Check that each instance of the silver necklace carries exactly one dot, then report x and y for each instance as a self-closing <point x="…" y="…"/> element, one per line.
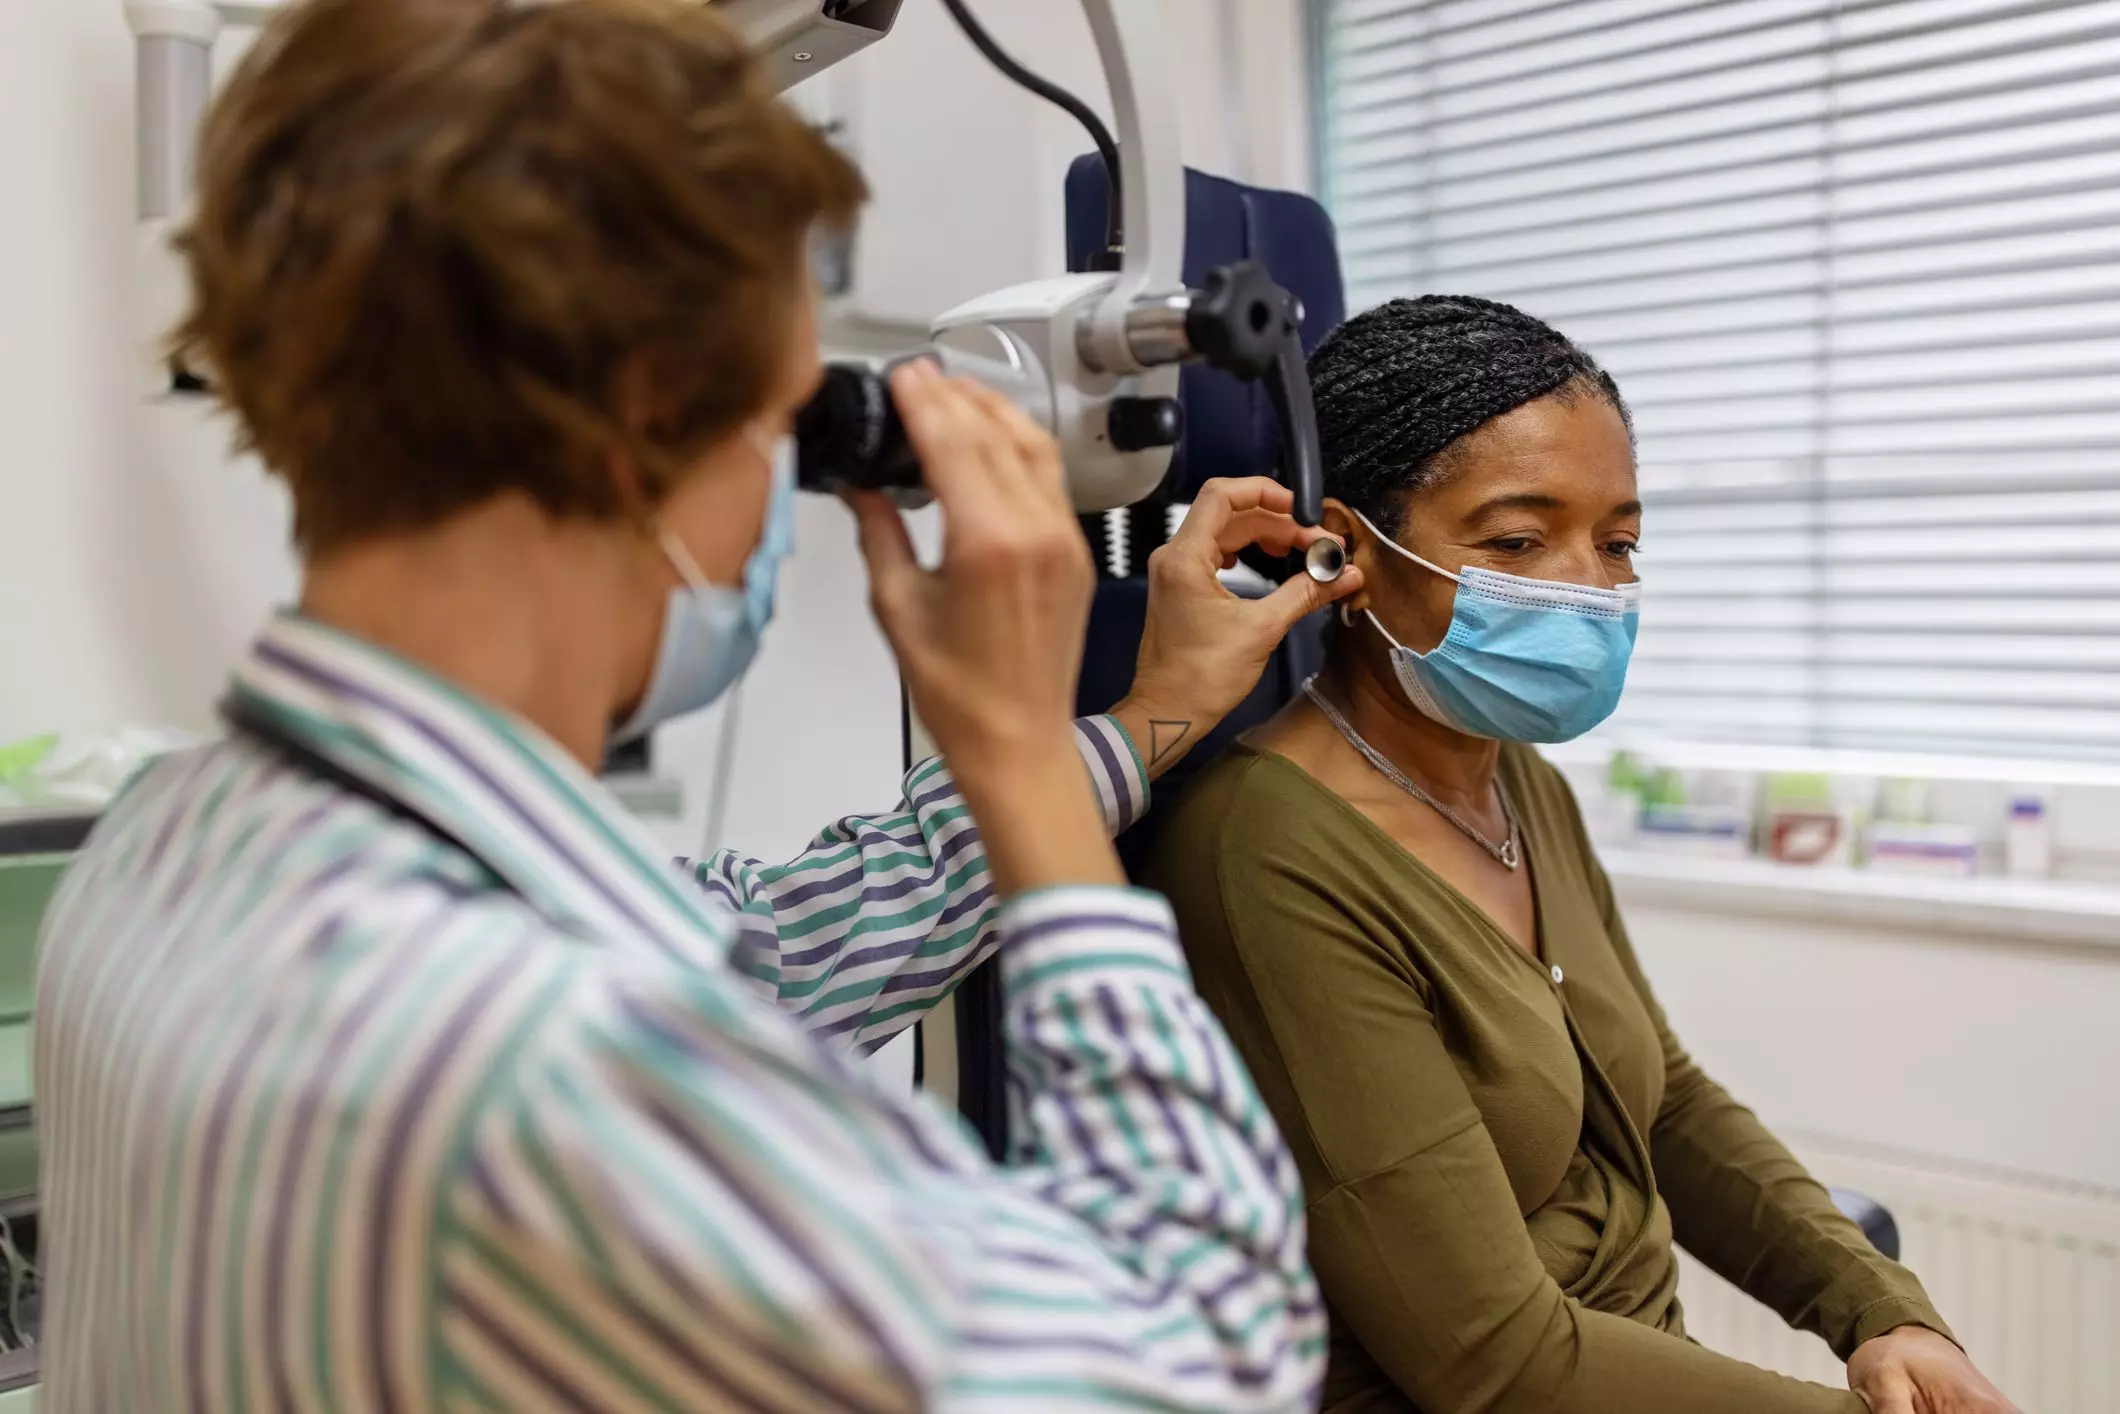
<point x="1509" y="854"/>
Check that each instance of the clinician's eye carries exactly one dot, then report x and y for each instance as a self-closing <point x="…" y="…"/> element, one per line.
<point x="1513" y="545"/>
<point x="1623" y="549"/>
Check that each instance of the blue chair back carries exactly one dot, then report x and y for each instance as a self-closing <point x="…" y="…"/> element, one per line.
<point x="1230" y="430"/>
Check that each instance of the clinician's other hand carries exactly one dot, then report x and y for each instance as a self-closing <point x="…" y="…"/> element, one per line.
<point x="1204" y="647"/>
<point x="990" y="642"/>
<point x="1913" y="1370"/>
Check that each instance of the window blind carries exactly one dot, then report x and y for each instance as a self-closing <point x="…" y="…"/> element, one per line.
<point x="1856" y="267"/>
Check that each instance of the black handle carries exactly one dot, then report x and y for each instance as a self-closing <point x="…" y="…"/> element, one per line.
<point x="1302" y="464"/>
<point x="1246" y="324"/>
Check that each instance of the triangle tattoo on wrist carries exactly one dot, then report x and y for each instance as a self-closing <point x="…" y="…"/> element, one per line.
<point x="1164" y="738"/>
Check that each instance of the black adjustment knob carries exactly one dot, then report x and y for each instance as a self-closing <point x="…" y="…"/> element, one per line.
<point x="1137" y="424"/>
<point x="1239" y="318"/>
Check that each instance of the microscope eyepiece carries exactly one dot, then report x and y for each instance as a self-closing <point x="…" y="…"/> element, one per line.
<point x="849" y="437"/>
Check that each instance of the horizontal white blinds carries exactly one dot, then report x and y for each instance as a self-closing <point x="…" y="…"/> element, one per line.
<point x="1856" y="267"/>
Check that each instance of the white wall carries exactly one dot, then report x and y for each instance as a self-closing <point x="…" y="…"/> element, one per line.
<point x="1990" y="1050"/>
<point x="135" y="559"/>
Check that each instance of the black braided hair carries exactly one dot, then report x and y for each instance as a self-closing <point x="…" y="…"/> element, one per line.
<point x="1396" y="386"/>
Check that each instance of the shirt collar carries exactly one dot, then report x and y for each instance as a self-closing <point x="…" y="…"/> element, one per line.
<point x="495" y="783"/>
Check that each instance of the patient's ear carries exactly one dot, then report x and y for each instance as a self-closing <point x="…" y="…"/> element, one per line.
<point x="1340" y="521"/>
<point x="1352" y="534"/>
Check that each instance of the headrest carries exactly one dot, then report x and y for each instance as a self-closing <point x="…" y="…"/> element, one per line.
<point x="1230" y="428"/>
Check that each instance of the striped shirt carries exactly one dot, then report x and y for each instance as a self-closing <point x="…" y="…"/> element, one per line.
<point x="382" y="1065"/>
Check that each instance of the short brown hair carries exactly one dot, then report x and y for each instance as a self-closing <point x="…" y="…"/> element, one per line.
<point x="436" y="239"/>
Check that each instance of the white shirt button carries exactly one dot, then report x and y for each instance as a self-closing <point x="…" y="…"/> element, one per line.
<point x="1557" y="975"/>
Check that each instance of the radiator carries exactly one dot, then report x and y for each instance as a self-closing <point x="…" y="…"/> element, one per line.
<point x="2026" y="1269"/>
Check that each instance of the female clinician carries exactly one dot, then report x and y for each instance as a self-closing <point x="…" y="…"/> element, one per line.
<point x="381" y="1063"/>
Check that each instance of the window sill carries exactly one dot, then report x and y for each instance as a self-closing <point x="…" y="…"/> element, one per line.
<point x="2026" y="910"/>
<point x="1596" y="753"/>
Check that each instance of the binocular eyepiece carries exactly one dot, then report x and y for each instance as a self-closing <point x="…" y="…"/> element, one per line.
<point x="849" y="436"/>
<point x="1239" y="322"/>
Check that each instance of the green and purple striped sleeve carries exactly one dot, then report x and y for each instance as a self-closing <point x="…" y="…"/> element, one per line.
<point x="881" y="917"/>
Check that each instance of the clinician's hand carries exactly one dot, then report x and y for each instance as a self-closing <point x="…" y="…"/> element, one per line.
<point x="1913" y="1370"/>
<point x="1204" y="647"/>
<point x="991" y="641"/>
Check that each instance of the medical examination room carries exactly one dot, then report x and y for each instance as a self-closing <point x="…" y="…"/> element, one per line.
<point x="1208" y="706"/>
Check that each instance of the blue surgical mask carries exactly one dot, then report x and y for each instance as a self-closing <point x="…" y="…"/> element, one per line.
<point x="1525" y="659"/>
<point x="711" y="632"/>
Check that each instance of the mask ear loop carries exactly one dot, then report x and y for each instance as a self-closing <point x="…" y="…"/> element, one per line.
<point x="767" y="448"/>
<point x="1347" y="614"/>
<point x="681" y="560"/>
<point x="1392" y="544"/>
<point x="674" y="549"/>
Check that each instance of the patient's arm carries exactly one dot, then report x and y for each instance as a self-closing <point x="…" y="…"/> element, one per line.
<point x="1741" y="1202"/>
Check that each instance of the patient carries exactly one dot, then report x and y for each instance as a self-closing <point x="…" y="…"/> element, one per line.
<point x="1391" y="902"/>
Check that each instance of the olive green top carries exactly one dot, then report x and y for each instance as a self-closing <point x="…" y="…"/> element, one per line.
<point x="1499" y="1150"/>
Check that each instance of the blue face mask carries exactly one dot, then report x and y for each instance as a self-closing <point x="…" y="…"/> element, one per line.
<point x="711" y="632"/>
<point x="1525" y="659"/>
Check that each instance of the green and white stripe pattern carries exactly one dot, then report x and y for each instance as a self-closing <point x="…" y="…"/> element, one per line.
<point x="423" y="1084"/>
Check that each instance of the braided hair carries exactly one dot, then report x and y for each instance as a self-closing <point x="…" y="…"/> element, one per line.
<point x="1397" y="386"/>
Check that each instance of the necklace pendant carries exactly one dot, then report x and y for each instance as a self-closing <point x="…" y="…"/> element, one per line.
<point x="1506" y="853"/>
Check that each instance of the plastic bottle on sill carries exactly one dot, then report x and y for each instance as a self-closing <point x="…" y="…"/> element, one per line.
<point x="2028" y="837"/>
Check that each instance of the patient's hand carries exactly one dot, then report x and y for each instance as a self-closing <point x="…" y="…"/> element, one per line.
<point x="1203" y="647"/>
<point x="1912" y="1370"/>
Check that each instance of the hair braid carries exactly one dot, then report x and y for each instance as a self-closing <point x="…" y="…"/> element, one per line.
<point x="1396" y="386"/>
